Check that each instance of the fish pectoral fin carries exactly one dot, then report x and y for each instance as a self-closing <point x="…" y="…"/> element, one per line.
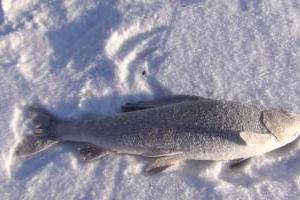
<point x="89" y="152"/>
<point x="253" y="138"/>
<point x="238" y="162"/>
<point x="160" y="164"/>
<point x="142" y="105"/>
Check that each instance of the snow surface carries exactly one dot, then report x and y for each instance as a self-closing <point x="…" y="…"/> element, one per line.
<point x="76" y="57"/>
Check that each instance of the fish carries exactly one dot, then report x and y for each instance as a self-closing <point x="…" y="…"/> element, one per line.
<point x="168" y="130"/>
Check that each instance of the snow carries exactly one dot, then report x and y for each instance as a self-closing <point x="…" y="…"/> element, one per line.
<point x="76" y="57"/>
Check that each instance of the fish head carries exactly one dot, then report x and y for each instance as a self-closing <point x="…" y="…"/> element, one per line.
<point x="285" y="126"/>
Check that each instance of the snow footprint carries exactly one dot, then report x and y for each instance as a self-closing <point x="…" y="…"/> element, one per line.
<point x="133" y="50"/>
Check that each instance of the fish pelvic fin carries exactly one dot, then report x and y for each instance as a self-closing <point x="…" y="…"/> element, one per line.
<point x="90" y="152"/>
<point x="237" y="163"/>
<point x="160" y="164"/>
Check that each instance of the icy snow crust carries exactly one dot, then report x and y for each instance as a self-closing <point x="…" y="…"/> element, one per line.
<point x="76" y="57"/>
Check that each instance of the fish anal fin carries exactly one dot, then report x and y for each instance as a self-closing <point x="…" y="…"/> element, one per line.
<point x="142" y="105"/>
<point x="89" y="152"/>
<point x="33" y="144"/>
<point x="253" y="138"/>
<point x="160" y="164"/>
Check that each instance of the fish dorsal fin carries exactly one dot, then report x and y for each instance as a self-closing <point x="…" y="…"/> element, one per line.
<point x="142" y="105"/>
<point x="253" y="138"/>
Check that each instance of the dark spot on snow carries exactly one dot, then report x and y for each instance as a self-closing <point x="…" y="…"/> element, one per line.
<point x="244" y="5"/>
<point x="144" y="73"/>
<point x="29" y="17"/>
<point x="254" y="5"/>
<point x="191" y="2"/>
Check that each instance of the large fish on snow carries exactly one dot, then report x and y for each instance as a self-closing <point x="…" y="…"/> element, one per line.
<point x="169" y="129"/>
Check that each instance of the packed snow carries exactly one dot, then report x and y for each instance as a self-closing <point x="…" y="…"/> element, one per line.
<point x="80" y="58"/>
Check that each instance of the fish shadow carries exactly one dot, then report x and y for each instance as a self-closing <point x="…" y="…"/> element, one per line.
<point x="288" y="164"/>
<point x="81" y="46"/>
<point x="82" y="41"/>
<point x="280" y="170"/>
<point x="191" y="172"/>
<point x="195" y="167"/>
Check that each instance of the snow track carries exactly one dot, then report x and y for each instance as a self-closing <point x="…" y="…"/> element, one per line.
<point x="76" y="57"/>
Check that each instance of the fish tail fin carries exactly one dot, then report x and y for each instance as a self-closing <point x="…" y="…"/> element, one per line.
<point x="42" y="120"/>
<point x="40" y="139"/>
<point x="32" y="144"/>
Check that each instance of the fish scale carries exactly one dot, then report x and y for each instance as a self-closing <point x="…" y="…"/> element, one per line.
<point x="183" y="127"/>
